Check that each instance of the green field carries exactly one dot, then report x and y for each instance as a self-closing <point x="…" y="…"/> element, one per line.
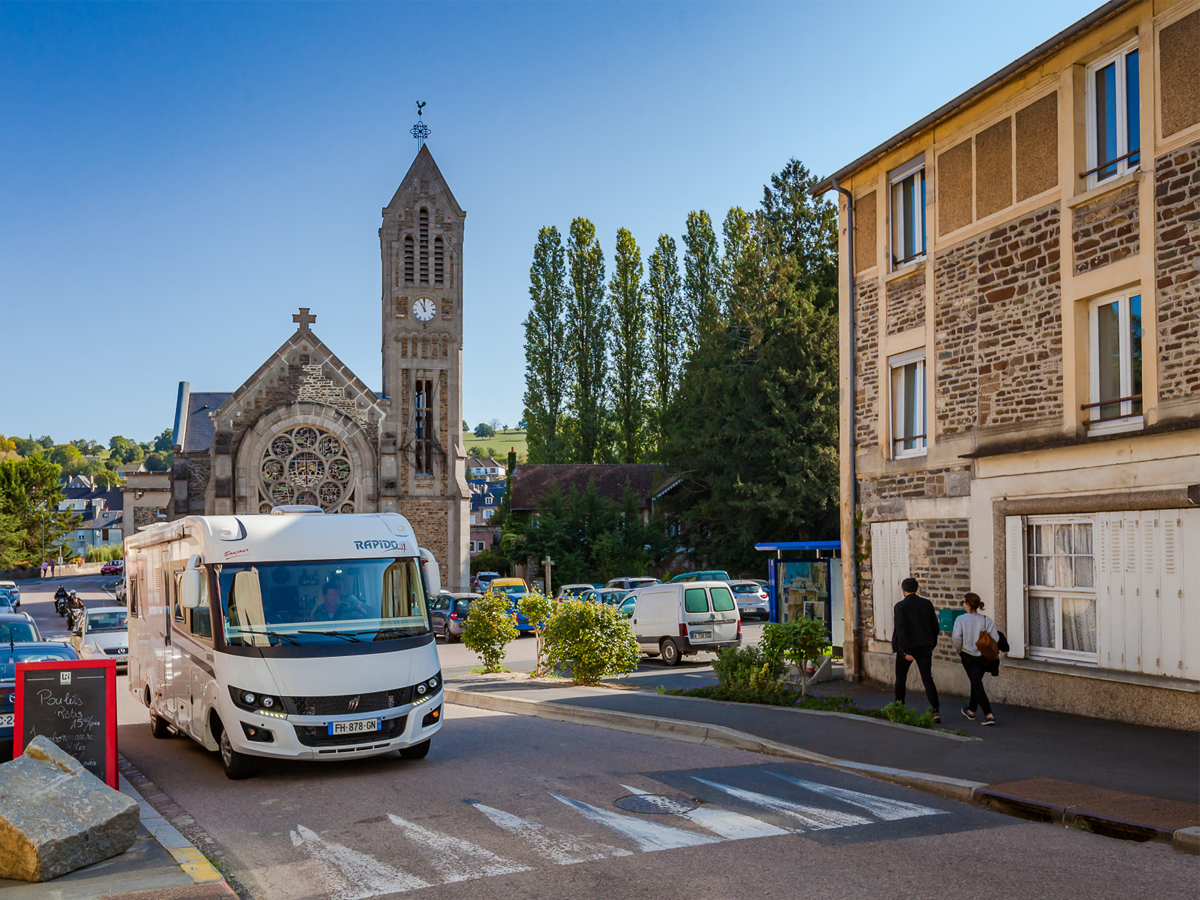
<point x="502" y="442"/>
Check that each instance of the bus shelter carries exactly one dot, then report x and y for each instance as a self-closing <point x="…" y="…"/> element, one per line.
<point x="804" y="580"/>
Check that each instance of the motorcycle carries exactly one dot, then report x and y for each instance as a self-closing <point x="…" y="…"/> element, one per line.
<point x="75" y="608"/>
<point x="60" y="601"/>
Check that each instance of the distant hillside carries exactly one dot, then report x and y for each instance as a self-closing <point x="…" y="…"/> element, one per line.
<point x="501" y="443"/>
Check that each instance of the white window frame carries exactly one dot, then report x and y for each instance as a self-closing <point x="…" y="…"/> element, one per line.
<point x="897" y="218"/>
<point x="898" y="405"/>
<point x="1128" y="420"/>
<point x="1124" y="166"/>
<point x="1058" y="594"/>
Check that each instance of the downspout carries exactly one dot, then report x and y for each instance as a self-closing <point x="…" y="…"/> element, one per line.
<point x="852" y="551"/>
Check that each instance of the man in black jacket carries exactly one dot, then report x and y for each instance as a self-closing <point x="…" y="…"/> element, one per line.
<point x="914" y="635"/>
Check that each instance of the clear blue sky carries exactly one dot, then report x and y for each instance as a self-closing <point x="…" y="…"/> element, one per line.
<point x="176" y="179"/>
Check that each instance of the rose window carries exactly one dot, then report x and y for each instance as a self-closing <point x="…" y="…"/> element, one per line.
<point x="307" y="465"/>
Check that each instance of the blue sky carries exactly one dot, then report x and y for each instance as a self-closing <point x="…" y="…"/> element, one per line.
<point x="175" y="180"/>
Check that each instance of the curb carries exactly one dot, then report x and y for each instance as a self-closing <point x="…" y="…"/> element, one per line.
<point x="1187" y="840"/>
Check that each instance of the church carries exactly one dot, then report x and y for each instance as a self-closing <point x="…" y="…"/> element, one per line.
<point x="304" y="429"/>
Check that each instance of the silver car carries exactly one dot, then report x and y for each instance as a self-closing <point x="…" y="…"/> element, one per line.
<point x="102" y="632"/>
<point x="751" y="598"/>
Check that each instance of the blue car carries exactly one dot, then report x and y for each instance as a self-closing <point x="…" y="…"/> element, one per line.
<point x="515" y="592"/>
<point x="10" y="655"/>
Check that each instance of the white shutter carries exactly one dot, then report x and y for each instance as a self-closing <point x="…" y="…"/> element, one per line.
<point x="1169" y="592"/>
<point x="1184" y="583"/>
<point x="889" y="566"/>
<point x="1014" y="567"/>
<point x="1130" y="546"/>
<point x="1110" y="621"/>
<point x="1148" y="593"/>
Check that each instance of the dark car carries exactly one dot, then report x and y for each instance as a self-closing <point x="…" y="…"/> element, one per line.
<point x="448" y="615"/>
<point x="10" y="655"/>
<point x="18" y="627"/>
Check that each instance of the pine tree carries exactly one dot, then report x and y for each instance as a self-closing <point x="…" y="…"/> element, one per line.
<point x="702" y="277"/>
<point x="587" y="332"/>
<point x="547" y="356"/>
<point x="802" y="228"/>
<point x="741" y="266"/>
<point x="664" y="352"/>
<point x="628" y="379"/>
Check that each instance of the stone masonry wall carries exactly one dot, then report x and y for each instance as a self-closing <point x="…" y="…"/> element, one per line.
<point x="199" y="472"/>
<point x="906" y="303"/>
<point x="430" y="520"/>
<point x="1019" y="322"/>
<point x="1177" y="261"/>
<point x="955" y="278"/>
<point x="866" y="375"/>
<point x="1106" y="230"/>
<point x="939" y="557"/>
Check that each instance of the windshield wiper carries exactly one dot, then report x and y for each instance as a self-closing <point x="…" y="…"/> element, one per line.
<point x="274" y="634"/>
<point x="351" y="636"/>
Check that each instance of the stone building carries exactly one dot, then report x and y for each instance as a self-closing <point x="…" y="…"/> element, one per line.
<point x="304" y="429"/>
<point x="1021" y="416"/>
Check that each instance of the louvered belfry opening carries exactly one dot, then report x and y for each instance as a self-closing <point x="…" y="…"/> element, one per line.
<point x="424" y="427"/>
<point x="408" y="259"/>
<point x="423" y="239"/>
<point x="439" y="261"/>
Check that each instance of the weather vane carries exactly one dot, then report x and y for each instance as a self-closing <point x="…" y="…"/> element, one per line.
<point x="420" y="131"/>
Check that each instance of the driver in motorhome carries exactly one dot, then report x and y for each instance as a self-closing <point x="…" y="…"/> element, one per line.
<point x="336" y="603"/>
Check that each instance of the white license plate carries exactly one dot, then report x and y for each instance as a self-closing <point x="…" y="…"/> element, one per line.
<point x="701" y="635"/>
<point x="360" y="727"/>
<point x="6" y="720"/>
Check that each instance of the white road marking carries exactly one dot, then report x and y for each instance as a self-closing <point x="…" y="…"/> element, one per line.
<point x="649" y="836"/>
<point x="728" y="824"/>
<point x="559" y="847"/>
<point x="813" y="817"/>
<point x="458" y="860"/>
<point x="351" y="875"/>
<point x="882" y="807"/>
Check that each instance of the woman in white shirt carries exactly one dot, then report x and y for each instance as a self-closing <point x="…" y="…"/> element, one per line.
<point x="967" y="629"/>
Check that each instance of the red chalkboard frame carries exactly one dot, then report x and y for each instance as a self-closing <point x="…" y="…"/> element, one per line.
<point x="110" y="692"/>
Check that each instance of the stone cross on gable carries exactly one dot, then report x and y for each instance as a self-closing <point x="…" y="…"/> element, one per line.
<point x="303" y="318"/>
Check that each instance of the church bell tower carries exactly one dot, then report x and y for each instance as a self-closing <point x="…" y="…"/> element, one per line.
<point x="423" y="465"/>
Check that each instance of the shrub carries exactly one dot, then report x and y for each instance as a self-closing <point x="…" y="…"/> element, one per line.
<point x="591" y="641"/>
<point x="105" y="553"/>
<point x="537" y="609"/>
<point x="797" y="642"/>
<point x="897" y="712"/>
<point x="491" y="625"/>
<point x="748" y="669"/>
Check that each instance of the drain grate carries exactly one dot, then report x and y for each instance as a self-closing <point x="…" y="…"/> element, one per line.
<point x="656" y="804"/>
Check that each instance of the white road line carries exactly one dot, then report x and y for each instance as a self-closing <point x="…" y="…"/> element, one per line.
<point x="649" y="836"/>
<point x="350" y="875"/>
<point x="557" y="846"/>
<point x="882" y="807"/>
<point x="813" y="817"/>
<point x="728" y="824"/>
<point x="458" y="860"/>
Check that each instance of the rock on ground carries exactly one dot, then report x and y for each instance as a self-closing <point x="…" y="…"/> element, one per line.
<point x="56" y="817"/>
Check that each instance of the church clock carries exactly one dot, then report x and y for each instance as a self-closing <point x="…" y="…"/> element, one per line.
<point x="424" y="309"/>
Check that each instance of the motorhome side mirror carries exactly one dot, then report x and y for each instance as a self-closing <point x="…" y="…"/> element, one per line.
<point x="190" y="585"/>
<point x="433" y="574"/>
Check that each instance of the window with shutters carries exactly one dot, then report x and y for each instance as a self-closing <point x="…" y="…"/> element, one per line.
<point x="1061" y="577"/>
<point x="439" y="261"/>
<point x="409" y="259"/>
<point x="423" y="244"/>
<point x="889" y="567"/>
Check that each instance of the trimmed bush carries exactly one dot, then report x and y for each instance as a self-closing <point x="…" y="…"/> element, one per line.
<point x="590" y="641"/>
<point x="491" y="626"/>
<point x="537" y="610"/>
<point x="796" y="642"/>
<point x="747" y="670"/>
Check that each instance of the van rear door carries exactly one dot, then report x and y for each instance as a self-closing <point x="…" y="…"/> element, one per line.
<point x="725" y="614"/>
<point x="698" y="615"/>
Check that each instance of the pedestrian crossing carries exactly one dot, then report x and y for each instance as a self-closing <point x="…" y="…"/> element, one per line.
<point x="722" y="811"/>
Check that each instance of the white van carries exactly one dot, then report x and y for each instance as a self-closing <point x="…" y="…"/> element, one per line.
<point x="674" y="620"/>
<point x="294" y="635"/>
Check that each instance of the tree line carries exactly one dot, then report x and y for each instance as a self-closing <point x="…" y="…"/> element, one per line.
<point x="722" y="365"/>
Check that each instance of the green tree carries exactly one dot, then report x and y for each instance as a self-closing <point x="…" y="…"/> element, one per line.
<point x="106" y="478"/>
<point x="490" y="628"/>
<point x="742" y="264"/>
<point x="484" y="430"/>
<point x="125" y="450"/>
<point x="65" y="455"/>
<point x="587" y="325"/>
<point x="163" y="443"/>
<point x="799" y="227"/>
<point x="547" y="354"/>
<point x="537" y="610"/>
<point x="591" y="641"/>
<point x="628" y="380"/>
<point x="29" y="487"/>
<point x="701" y="278"/>
<point x="797" y="642"/>
<point x="663" y="287"/>
<point x="158" y="462"/>
<point x="12" y="542"/>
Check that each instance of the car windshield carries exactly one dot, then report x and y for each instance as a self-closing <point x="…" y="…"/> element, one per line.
<point x="513" y="590"/>
<point x="16" y="631"/>
<point x="745" y="588"/>
<point x="322" y="601"/>
<point x="42" y="653"/>
<point x="106" y="621"/>
<point x="613" y="597"/>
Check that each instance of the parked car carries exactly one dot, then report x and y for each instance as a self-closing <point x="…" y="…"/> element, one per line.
<point x="6" y="602"/>
<point x="11" y="587"/>
<point x="631" y="583"/>
<point x="611" y="596"/>
<point x="514" y="589"/>
<point x="752" y="599"/>
<point x="102" y="632"/>
<point x="18" y="627"/>
<point x="448" y="615"/>
<point x="114" y="567"/>
<point x="677" y="620"/>
<point x="482" y="580"/>
<point x="628" y="606"/>
<point x="572" y="591"/>
<point x="709" y="575"/>
<point x="121" y="593"/>
<point x="10" y="655"/>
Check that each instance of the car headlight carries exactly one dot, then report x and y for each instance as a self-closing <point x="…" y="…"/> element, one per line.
<point x="425" y="690"/>
<point x="262" y="704"/>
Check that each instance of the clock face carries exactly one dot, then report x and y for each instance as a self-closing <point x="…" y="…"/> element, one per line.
<point x="424" y="309"/>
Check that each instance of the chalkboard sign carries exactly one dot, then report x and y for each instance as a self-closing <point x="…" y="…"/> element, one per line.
<point x="74" y="704"/>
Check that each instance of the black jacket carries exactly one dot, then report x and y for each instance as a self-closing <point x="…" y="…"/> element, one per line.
<point x="915" y="625"/>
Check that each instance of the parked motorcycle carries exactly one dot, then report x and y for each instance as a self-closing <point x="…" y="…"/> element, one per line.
<point x="60" y="601"/>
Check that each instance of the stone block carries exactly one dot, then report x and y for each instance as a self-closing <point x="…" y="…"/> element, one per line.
<point x="56" y="817"/>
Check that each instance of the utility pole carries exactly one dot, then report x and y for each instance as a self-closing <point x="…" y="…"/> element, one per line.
<point x="548" y="563"/>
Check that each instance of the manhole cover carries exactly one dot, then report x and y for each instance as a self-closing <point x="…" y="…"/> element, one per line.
<point x="656" y="804"/>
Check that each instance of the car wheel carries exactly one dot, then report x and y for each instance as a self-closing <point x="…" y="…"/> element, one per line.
<point x="451" y="637"/>
<point x="158" y="725"/>
<point x="236" y="765"/>
<point x="416" y="751"/>
<point x="670" y="652"/>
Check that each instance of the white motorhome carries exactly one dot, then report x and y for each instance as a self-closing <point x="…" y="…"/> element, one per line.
<point x="683" y="618"/>
<point x="294" y="635"/>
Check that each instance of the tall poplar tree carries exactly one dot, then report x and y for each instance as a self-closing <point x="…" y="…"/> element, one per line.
<point x="546" y="351"/>
<point x="663" y="288"/>
<point x="587" y="332"/>
<point x="628" y="379"/>
<point x="702" y="277"/>
<point x="742" y="264"/>
<point x="797" y="226"/>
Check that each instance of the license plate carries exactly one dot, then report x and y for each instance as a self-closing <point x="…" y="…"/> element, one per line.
<point x="701" y="635"/>
<point x="360" y="727"/>
<point x="6" y="720"/>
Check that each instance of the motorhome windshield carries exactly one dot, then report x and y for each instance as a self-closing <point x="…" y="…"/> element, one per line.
<point x="322" y="601"/>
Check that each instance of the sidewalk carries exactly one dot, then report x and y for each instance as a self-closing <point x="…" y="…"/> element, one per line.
<point x="1041" y="765"/>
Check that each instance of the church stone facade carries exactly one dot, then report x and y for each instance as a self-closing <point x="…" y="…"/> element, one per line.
<point x="304" y="429"/>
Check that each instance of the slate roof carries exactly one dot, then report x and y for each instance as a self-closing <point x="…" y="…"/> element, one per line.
<point x="531" y="483"/>
<point x="199" y="433"/>
<point x="92" y="523"/>
<point x="113" y="498"/>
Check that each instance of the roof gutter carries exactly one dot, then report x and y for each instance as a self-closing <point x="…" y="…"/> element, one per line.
<point x="1089" y="21"/>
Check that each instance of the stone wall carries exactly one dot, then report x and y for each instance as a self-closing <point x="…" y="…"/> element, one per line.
<point x="1106" y="230"/>
<point x="199" y="470"/>
<point x="906" y="303"/>
<point x="866" y="376"/>
<point x="939" y="557"/>
<point x="430" y="520"/>
<point x="1177" y="260"/>
<point x="956" y="276"/>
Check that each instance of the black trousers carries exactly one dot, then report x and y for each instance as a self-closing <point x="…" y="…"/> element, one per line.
<point x="924" y="661"/>
<point x="976" y="666"/>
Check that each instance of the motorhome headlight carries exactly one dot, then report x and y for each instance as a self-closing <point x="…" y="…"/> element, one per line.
<point x="268" y="702"/>
<point x="421" y="689"/>
<point x="263" y="704"/>
<point x="248" y="698"/>
<point x="433" y="683"/>
<point x="424" y="691"/>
